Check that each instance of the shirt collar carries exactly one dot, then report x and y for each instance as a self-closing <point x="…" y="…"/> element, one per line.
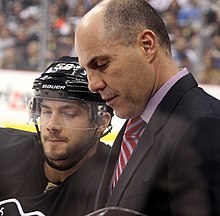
<point x="159" y="95"/>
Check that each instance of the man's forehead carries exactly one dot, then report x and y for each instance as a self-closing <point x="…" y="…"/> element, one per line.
<point x="91" y="25"/>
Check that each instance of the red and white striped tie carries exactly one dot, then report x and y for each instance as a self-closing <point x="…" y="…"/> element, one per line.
<point x="129" y="142"/>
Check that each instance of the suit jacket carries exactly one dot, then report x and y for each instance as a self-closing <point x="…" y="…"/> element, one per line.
<point x="175" y="168"/>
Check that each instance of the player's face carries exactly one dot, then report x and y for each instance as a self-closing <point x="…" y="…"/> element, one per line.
<point x="66" y="131"/>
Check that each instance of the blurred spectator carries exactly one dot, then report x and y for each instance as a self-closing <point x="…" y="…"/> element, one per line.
<point x="13" y="12"/>
<point x="211" y="73"/>
<point x="32" y="56"/>
<point x="184" y="55"/>
<point x="8" y="60"/>
<point x="170" y="20"/>
<point x="173" y="7"/>
<point x="191" y="15"/>
<point x="30" y="22"/>
<point x="6" y="40"/>
<point x="21" y="44"/>
<point x="215" y="52"/>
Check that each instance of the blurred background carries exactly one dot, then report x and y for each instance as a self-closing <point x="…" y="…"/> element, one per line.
<point x="33" y="33"/>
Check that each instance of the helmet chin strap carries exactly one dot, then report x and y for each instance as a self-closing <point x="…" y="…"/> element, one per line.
<point x="109" y="129"/>
<point x="39" y="145"/>
<point x="37" y="140"/>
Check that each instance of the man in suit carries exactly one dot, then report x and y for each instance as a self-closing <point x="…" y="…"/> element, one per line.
<point x="175" y="167"/>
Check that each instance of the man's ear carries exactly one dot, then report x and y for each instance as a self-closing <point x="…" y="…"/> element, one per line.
<point x="105" y="122"/>
<point x="148" y="41"/>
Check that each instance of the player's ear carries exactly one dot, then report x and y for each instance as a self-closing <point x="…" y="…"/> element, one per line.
<point x="104" y="122"/>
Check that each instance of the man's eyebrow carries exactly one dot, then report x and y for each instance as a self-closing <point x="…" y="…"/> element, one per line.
<point x="65" y="106"/>
<point x="93" y="61"/>
<point x="45" y="106"/>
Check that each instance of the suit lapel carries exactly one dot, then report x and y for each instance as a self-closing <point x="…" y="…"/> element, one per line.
<point x="157" y="121"/>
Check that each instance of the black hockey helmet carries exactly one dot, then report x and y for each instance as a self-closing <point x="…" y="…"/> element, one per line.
<point x="65" y="79"/>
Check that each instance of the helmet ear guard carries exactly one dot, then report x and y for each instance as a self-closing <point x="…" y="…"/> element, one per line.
<point x="32" y="110"/>
<point x="105" y="124"/>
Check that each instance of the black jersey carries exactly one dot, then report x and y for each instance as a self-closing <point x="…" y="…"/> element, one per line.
<point x="21" y="166"/>
<point x="73" y="197"/>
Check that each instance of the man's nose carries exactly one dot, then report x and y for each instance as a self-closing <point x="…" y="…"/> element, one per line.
<point x="96" y="82"/>
<point x="54" y="123"/>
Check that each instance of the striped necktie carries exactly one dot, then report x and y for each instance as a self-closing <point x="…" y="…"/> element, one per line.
<point x="130" y="139"/>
